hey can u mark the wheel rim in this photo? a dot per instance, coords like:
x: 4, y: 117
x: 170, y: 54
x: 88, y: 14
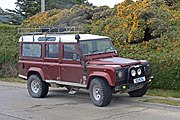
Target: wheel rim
x: 35, y: 86
x: 96, y: 93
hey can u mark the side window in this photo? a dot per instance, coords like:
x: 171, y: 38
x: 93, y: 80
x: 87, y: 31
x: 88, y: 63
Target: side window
x: 31, y: 50
x: 51, y: 51
x: 69, y: 51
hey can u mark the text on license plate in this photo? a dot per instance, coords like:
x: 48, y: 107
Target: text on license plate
x: 139, y: 80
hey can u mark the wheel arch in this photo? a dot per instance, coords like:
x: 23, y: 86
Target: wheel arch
x: 36, y: 71
x: 102, y: 75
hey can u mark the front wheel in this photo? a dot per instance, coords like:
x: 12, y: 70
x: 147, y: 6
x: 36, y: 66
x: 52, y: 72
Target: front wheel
x: 36, y: 87
x: 139, y: 92
x: 100, y: 92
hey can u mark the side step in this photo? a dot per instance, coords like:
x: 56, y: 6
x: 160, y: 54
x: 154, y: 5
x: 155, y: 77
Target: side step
x: 66, y: 83
x: 73, y: 91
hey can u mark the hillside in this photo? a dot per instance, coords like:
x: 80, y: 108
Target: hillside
x: 1, y: 11
x: 146, y: 29
x: 4, y: 17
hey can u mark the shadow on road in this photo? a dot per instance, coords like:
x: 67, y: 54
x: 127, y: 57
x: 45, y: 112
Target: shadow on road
x: 83, y: 96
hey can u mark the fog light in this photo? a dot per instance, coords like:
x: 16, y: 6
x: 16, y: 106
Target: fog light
x: 124, y: 87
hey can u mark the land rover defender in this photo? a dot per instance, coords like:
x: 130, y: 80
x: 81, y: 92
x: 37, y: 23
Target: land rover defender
x: 75, y: 61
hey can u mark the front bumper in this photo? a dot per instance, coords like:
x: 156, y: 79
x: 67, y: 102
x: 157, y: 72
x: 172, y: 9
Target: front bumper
x: 127, y: 87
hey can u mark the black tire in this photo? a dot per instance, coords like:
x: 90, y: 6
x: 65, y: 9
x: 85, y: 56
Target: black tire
x: 36, y: 87
x: 102, y: 96
x: 139, y: 92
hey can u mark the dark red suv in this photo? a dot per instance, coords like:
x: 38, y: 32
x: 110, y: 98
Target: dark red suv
x: 79, y: 61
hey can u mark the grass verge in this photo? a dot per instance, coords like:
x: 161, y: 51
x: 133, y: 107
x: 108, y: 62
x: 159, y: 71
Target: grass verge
x: 163, y: 101
x: 164, y: 93
x: 13, y: 80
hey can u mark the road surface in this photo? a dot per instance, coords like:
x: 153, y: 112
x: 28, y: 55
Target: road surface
x: 16, y: 104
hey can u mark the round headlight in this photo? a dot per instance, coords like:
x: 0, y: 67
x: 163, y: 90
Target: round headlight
x: 120, y: 74
x: 133, y: 72
x: 139, y: 71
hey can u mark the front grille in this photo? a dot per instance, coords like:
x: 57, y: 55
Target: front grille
x: 127, y: 77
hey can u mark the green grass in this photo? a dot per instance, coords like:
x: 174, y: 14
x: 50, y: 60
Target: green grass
x: 13, y: 80
x: 164, y: 93
x: 163, y: 101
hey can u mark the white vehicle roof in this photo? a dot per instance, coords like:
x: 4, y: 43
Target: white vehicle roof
x: 58, y: 38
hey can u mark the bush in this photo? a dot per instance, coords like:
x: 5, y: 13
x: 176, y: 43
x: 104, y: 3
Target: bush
x: 163, y: 56
x: 8, y: 51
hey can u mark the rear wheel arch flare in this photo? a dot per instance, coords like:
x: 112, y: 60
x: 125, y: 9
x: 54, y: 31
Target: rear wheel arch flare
x: 34, y: 73
x: 35, y: 70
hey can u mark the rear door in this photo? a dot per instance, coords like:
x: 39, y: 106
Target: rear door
x: 51, y: 61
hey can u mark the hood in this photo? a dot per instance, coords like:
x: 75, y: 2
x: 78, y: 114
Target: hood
x: 115, y: 61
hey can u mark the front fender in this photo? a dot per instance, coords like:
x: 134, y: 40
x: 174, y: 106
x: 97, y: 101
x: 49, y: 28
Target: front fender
x: 104, y: 75
x: 36, y: 70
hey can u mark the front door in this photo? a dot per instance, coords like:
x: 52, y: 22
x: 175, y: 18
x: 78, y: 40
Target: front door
x: 71, y: 70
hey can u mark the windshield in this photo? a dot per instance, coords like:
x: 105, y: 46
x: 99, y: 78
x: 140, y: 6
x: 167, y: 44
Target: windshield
x: 97, y: 46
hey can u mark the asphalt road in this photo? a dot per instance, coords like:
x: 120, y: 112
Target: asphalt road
x: 16, y: 104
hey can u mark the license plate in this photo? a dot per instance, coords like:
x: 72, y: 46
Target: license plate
x: 139, y: 80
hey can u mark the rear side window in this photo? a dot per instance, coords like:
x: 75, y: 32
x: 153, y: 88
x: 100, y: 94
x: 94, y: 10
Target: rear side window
x: 31, y: 50
x: 52, y: 51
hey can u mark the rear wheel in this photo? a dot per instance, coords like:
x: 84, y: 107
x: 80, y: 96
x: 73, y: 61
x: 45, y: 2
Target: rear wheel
x: 36, y: 87
x: 139, y: 92
x: 100, y: 92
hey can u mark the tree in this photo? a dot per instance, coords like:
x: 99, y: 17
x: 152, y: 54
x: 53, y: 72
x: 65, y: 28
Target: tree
x: 78, y: 15
x: 28, y: 8
x: 62, y: 4
x: 23, y: 10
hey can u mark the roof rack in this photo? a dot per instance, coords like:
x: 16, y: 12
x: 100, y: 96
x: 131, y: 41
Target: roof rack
x: 50, y: 30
